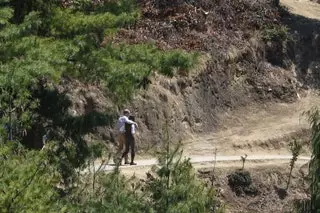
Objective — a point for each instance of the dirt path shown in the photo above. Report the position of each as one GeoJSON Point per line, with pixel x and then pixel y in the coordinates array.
{"type": "Point", "coordinates": [305, 8]}
{"type": "Point", "coordinates": [262, 132]}
{"type": "Point", "coordinates": [143, 166]}
{"type": "Point", "coordinates": [256, 130]}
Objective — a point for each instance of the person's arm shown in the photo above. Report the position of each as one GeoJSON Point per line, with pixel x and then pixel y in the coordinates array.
{"type": "Point", "coordinates": [128, 121]}
{"type": "Point", "coordinates": [133, 129]}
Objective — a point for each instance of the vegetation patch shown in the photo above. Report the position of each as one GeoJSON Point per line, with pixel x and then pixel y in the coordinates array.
{"type": "Point", "coordinates": [275, 33]}
{"type": "Point", "coordinates": [241, 183]}
{"type": "Point", "coordinates": [41, 42]}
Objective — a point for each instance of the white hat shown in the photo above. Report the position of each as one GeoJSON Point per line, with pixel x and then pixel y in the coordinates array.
{"type": "Point", "coordinates": [126, 111]}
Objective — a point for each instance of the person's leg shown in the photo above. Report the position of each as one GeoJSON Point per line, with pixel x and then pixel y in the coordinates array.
{"type": "Point", "coordinates": [125, 154]}
{"type": "Point", "coordinates": [121, 139]}
{"type": "Point", "coordinates": [132, 144]}
{"type": "Point", "coordinates": [126, 151]}
{"type": "Point", "coordinates": [121, 142]}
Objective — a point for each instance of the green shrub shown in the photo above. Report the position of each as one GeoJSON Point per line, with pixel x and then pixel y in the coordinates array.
{"type": "Point", "coordinates": [175, 188]}
{"type": "Point", "coordinates": [241, 183]}
{"type": "Point", "coordinates": [275, 33]}
{"type": "Point", "coordinates": [49, 41]}
{"type": "Point", "coordinates": [28, 183]}
{"type": "Point", "coordinates": [314, 168]}
{"type": "Point", "coordinates": [33, 181]}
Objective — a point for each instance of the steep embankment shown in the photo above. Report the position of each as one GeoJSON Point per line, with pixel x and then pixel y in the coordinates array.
{"type": "Point", "coordinates": [263, 129]}
{"type": "Point", "coordinates": [246, 97]}
{"type": "Point", "coordinates": [251, 59]}
{"type": "Point", "coordinates": [248, 60]}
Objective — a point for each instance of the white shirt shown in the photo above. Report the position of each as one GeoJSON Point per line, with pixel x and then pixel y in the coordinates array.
{"type": "Point", "coordinates": [133, 129]}
{"type": "Point", "coordinates": [122, 121]}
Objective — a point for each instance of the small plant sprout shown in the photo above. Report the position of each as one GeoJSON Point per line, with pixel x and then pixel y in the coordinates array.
{"type": "Point", "coordinates": [243, 159]}
{"type": "Point", "coordinates": [295, 149]}
{"type": "Point", "coordinates": [212, 177]}
{"type": "Point", "coordinates": [215, 159]}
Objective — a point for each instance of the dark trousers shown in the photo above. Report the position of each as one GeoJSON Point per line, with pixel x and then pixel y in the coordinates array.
{"type": "Point", "coordinates": [130, 144]}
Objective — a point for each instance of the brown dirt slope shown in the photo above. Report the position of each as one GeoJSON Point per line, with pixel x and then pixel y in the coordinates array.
{"type": "Point", "coordinates": [204, 25]}
{"type": "Point", "coordinates": [267, 180]}
{"type": "Point", "coordinates": [238, 68]}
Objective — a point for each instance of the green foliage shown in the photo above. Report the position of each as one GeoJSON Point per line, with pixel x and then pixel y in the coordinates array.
{"type": "Point", "coordinates": [239, 178]}
{"type": "Point", "coordinates": [5, 14]}
{"type": "Point", "coordinates": [19, 78]}
{"type": "Point", "coordinates": [175, 187]}
{"type": "Point", "coordinates": [23, 8]}
{"type": "Point", "coordinates": [123, 68]}
{"type": "Point", "coordinates": [27, 182]}
{"type": "Point", "coordinates": [176, 59]}
{"type": "Point", "coordinates": [295, 148]}
{"type": "Point", "coordinates": [66, 22]}
{"type": "Point", "coordinates": [113, 6]}
{"type": "Point", "coordinates": [94, 190]}
{"type": "Point", "coordinates": [314, 168]}
{"type": "Point", "coordinates": [275, 33]}
{"type": "Point", "coordinates": [42, 41]}
{"type": "Point", "coordinates": [241, 183]}
{"type": "Point", "coordinates": [32, 181]}
{"type": "Point", "coordinates": [117, 196]}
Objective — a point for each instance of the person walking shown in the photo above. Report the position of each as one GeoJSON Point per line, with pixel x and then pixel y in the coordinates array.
{"type": "Point", "coordinates": [121, 138]}
{"type": "Point", "coordinates": [130, 130]}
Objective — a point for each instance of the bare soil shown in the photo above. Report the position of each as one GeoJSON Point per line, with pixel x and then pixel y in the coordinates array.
{"type": "Point", "coordinates": [261, 129]}
{"type": "Point", "coordinates": [269, 180]}
{"type": "Point", "coordinates": [306, 8]}
{"type": "Point", "coordinates": [204, 25]}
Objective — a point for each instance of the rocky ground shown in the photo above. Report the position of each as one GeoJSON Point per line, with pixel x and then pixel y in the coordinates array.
{"type": "Point", "coordinates": [265, 193]}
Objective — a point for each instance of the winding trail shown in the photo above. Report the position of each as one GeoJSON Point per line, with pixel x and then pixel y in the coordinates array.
{"type": "Point", "coordinates": [256, 130]}
{"type": "Point", "coordinates": [262, 132]}
{"type": "Point", "coordinates": [206, 160]}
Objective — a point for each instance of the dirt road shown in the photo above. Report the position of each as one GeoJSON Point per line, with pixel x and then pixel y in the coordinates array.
{"type": "Point", "coordinates": [256, 130]}
{"type": "Point", "coordinates": [199, 162]}
{"type": "Point", "coordinates": [304, 8]}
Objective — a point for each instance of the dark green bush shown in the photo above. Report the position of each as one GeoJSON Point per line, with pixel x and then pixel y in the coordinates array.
{"type": "Point", "coordinates": [241, 183]}
{"type": "Point", "coordinates": [49, 41]}
{"type": "Point", "coordinates": [275, 33]}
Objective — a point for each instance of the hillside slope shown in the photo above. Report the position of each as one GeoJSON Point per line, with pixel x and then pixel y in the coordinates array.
{"type": "Point", "coordinates": [241, 67]}
{"type": "Point", "coordinates": [252, 53]}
